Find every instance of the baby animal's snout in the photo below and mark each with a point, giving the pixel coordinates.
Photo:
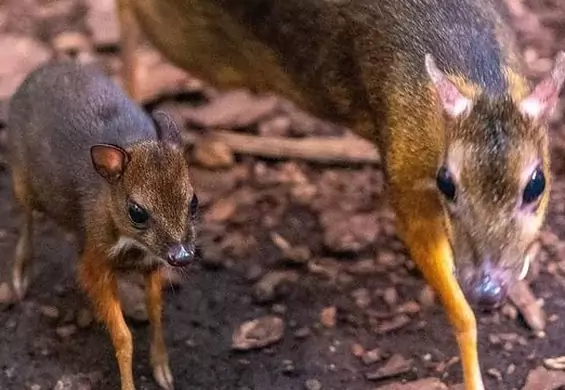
(180, 254)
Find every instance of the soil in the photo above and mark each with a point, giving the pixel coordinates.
(301, 241)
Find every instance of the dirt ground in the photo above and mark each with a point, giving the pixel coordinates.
(297, 240)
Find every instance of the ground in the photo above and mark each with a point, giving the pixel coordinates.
(298, 240)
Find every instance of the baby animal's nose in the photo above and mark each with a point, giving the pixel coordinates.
(180, 254)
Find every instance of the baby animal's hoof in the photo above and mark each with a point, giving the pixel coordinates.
(20, 283)
(163, 376)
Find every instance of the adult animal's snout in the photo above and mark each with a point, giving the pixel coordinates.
(486, 287)
(180, 254)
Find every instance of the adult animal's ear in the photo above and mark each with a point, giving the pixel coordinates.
(539, 104)
(453, 102)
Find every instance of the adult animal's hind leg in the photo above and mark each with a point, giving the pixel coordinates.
(23, 256)
(129, 38)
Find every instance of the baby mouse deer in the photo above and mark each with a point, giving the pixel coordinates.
(88, 157)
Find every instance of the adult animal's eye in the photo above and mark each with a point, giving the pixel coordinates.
(446, 184)
(194, 204)
(534, 188)
(137, 214)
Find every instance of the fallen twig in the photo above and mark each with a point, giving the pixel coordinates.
(350, 149)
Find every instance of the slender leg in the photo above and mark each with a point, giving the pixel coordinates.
(159, 358)
(99, 282)
(24, 256)
(424, 234)
(129, 38)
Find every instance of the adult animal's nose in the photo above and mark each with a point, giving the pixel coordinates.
(486, 286)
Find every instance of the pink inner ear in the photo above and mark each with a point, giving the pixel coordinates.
(114, 160)
(452, 100)
(541, 101)
(108, 158)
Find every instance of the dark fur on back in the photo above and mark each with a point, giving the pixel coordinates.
(57, 114)
(341, 60)
(461, 35)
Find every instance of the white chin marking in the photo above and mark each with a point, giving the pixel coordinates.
(525, 268)
(123, 243)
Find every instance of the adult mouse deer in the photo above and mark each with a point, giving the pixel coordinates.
(437, 86)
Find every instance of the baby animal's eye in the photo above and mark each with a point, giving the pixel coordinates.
(534, 188)
(137, 214)
(446, 184)
(194, 204)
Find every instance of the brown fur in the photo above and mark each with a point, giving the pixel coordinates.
(56, 170)
(361, 63)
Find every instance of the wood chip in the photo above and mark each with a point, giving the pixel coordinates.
(295, 254)
(269, 286)
(328, 316)
(66, 331)
(362, 297)
(390, 296)
(258, 333)
(542, 378)
(302, 333)
(493, 372)
(422, 384)
(396, 323)
(409, 307)
(49, 311)
(396, 365)
(357, 350)
(426, 297)
(213, 154)
(557, 363)
(372, 356)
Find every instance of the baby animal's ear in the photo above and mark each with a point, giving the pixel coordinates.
(110, 161)
(167, 129)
